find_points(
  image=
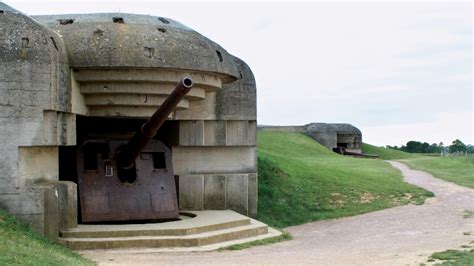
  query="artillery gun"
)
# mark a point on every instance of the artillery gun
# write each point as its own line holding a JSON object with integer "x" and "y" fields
{"x": 122, "y": 180}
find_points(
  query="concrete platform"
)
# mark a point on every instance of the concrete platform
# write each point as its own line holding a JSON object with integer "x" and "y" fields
{"x": 208, "y": 230}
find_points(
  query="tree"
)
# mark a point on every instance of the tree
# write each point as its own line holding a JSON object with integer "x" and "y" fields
{"x": 414, "y": 146}
{"x": 457, "y": 146}
{"x": 470, "y": 148}
{"x": 425, "y": 147}
{"x": 434, "y": 148}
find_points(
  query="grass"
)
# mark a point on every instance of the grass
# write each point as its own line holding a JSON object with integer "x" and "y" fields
{"x": 283, "y": 237}
{"x": 20, "y": 246}
{"x": 454, "y": 257}
{"x": 301, "y": 181}
{"x": 459, "y": 170}
{"x": 386, "y": 154}
{"x": 468, "y": 214}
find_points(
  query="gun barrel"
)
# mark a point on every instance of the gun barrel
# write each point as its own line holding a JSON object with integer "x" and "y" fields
{"x": 127, "y": 154}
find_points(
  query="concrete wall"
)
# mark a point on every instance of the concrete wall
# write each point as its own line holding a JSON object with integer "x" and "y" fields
{"x": 216, "y": 160}
{"x": 34, "y": 118}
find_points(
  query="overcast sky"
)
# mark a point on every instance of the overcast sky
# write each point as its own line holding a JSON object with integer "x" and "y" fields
{"x": 398, "y": 71}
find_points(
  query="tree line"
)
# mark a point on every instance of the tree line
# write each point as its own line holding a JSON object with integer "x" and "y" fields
{"x": 413, "y": 146}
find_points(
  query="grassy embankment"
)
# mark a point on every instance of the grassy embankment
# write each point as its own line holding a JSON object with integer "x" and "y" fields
{"x": 459, "y": 170}
{"x": 20, "y": 246}
{"x": 301, "y": 181}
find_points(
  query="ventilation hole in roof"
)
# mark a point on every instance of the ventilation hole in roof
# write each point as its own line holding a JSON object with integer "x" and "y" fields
{"x": 54, "y": 43}
{"x": 149, "y": 51}
{"x": 164, "y": 20}
{"x": 65, "y": 21}
{"x": 162, "y": 30}
{"x": 219, "y": 55}
{"x": 1, "y": 11}
{"x": 25, "y": 42}
{"x": 98, "y": 32}
{"x": 118, "y": 20}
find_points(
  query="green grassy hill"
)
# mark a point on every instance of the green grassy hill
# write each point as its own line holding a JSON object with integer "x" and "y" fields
{"x": 386, "y": 154}
{"x": 459, "y": 170}
{"x": 302, "y": 181}
{"x": 20, "y": 246}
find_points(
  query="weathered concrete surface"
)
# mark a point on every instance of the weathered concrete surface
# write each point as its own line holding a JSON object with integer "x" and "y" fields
{"x": 34, "y": 101}
{"x": 36, "y": 205}
{"x": 237, "y": 192}
{"x": 206, "y": 230}
{"x": 67, "y": 204}
{"x": 214, "y": 192}
{"x": 238, "y": 100}
{"x": 191, "y": 192}
{"x": 214, "y": 160}
{"x": 404, "y": 235}
{"x": 137, "y": 41}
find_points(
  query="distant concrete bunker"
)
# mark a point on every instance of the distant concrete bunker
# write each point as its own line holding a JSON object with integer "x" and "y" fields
{"x": 73, "y": 86}
{"x": 336, "y": 135}
{"x": 330, "y": 135}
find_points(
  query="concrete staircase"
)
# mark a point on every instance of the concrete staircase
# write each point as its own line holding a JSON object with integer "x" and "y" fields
{"x": 197, "y": 230}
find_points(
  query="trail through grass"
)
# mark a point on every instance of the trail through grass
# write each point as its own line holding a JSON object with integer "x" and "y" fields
{"x": 301, "y": 181}
{"x": 386, "y": 154}
{"x": 20, "y": 246}
{"x": 459, "y": 170}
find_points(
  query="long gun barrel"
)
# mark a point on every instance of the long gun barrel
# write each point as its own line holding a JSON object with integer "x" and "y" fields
{"x": 129, "y": 152}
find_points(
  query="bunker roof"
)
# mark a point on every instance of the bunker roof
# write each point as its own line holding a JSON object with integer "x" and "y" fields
{"x": 121, "y": 40}
{"x": 339, "y": 128}
{"x": 6, "y": 8}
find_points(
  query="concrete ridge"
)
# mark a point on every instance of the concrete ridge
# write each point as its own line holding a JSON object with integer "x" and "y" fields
{"x": 206, "y": 238}
{"x": 210, "y": 229}
{"x": 124, "y": 232}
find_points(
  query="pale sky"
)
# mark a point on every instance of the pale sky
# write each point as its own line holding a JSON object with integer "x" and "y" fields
{"x": 398, "y": 71}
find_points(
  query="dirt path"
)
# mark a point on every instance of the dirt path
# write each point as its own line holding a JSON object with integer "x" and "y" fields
{"x": 397, "y": 236}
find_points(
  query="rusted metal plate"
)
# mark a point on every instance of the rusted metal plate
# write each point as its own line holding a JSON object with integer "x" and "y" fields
{"x": 144, "y": 192}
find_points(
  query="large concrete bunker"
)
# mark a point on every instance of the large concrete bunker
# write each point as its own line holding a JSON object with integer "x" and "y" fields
{"x": 72, "y": 84}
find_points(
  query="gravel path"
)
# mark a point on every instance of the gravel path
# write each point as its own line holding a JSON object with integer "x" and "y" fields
{"x": 397, "y": 236}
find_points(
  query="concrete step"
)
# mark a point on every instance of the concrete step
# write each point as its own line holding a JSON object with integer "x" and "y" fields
{"x": 205, "y": 221}
{"x": 253, "y": 229}
{"x": 271, "y": 233}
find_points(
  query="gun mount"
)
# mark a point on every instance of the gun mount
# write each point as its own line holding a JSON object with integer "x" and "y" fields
{"x": 123, "y": 180}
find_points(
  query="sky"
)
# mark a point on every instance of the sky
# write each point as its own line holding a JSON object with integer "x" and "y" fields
{"x": 398, "y": 71}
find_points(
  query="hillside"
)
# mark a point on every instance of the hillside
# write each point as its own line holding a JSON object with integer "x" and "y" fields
{"x": 302, "y": 181}
{"x": 459, "y": 170}
{"x": 386, "y": 154}
{"x": 20, "y": 246}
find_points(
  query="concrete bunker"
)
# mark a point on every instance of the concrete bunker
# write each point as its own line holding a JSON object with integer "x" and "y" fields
{"x": 336, "y": 135}
{"x": 100, "y": 76}
{"x": 331, "y": 135}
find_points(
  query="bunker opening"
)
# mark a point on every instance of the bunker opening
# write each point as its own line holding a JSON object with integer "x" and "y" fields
{"x": 123, "y": 166}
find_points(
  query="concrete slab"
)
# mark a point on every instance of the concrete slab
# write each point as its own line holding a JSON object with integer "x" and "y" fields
{"x": 201, "y": 239}
{"x": 203, "y": 222}
{"x": 209, "y": 230}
